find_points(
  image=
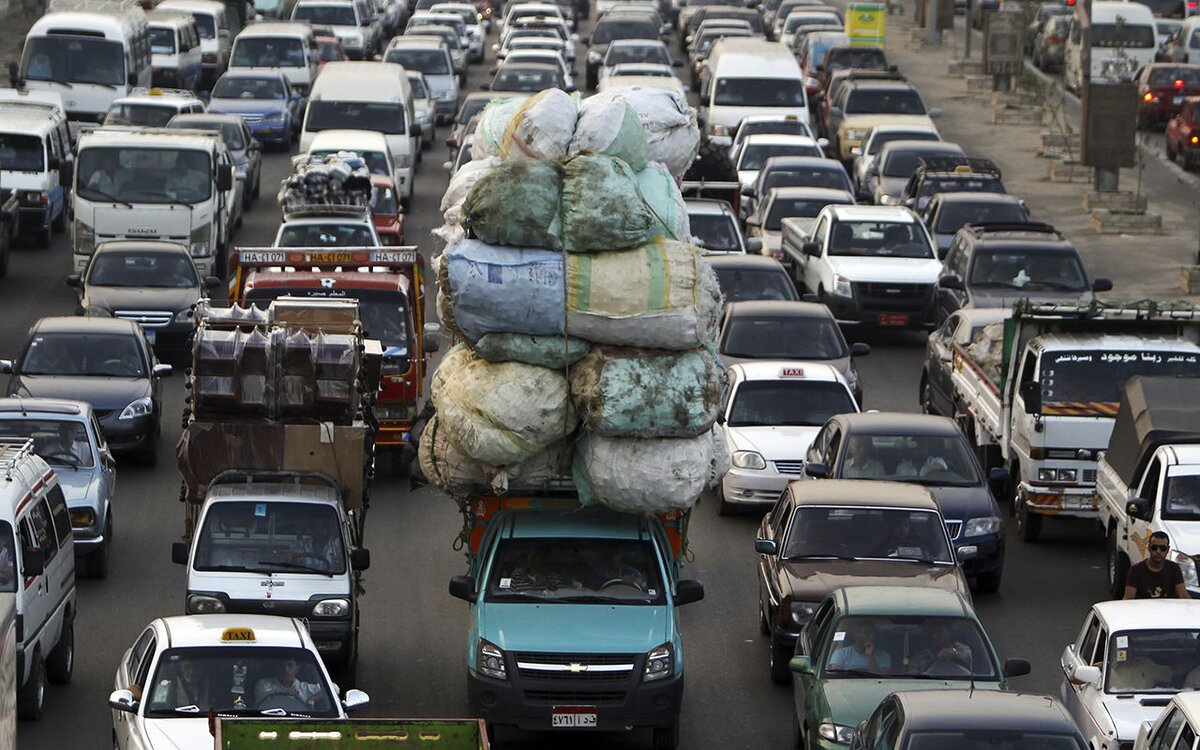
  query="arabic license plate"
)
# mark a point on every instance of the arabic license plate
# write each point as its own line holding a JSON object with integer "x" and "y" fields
{"x": 892, "y": 319}
{"x": 394, "y": 256}
{"x": 259, "y": 256}
{"x": 573, "y": 716}
{"x": 328, "y": 257}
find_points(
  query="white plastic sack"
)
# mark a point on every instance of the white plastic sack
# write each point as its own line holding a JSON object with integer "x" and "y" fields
{"x": 500, "y": 413}
{"x": 611, "y": 127}
{"x": 542, "y": 127}
{"x": 493, "y": 121}
{"x": 461, "y": 476}
{"x": 672, "y": 134}
{"x": 660, "y": 191}
{"x": 461, "y": 183}
{"x": 648, "y": 475}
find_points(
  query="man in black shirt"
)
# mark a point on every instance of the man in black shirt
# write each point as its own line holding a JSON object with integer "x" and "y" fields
{"x": 1156, "y": 577}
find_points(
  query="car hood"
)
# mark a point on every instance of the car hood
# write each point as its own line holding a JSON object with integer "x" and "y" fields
{"x": 78, "y": 485}
{"x": 852, "y": 700}
{"x": 1184, "y": 536}
{"x": 774, "y": 443}
{"x": 962, "y": 503}
{"x": 988, "y": 297}
{"x": 866, "y": 121}
{"x": 246, "y": 106}
{"x": 812, "y": 580}
{"x": 892, "y": 186}
{"x": 1128, "y": 714}
{"x": 896, "y": 270}
{"x": 604, "y": 628}
{"x": 103, "y": 393}
{"x": 141, "y": 298}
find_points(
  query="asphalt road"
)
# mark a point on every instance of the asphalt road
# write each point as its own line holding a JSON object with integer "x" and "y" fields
{"x": 414, "y": 634}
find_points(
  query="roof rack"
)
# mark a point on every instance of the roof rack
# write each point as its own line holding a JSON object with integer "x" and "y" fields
{"x": 326, "y": 209}
{"x": 985, "y": 227}
{"x": 959, "y": 165}
{"x": 12, "y": 450}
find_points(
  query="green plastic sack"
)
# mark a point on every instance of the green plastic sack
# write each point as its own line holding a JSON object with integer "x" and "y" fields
{"x": 493, "y": 121}
{"x": 602, "y": 207}
{"x": 543, "y": 351}
{"x": 612, "y": 127}
{"x": 517, "y": 203}
{"x": 662, "y": 195}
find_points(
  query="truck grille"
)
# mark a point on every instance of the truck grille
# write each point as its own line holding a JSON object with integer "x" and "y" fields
{"x": 146, "y": 318}
{"x": 887, "y": 297}
{"x": 1089, "y": 476}
{"x": 576, "y": 667}
{"x": 791, "y": 466}
{"x": 584, "y": 697}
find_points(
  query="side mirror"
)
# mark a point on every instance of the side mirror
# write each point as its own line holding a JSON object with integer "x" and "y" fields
{"x": 688, "y": 591}
{"x": 585, "y": 39}
{"x": 823, "y": 143}
{"x": 1102, "y": 285}
{"x": 811, "y": 248}
{"x": 6, "y": 366}
{"x": 1138, "y": 508}
{"x": 225, "y": 177}
{"x": 212, "y": 282}
{"x": 447, "y": 165}
{"x": 66, "y": 174}
{"x": 179, "y": 553}
{"x": 766, "y": 547}
{"x": 122, "y": 700}
{"x": 162, "y": 371}
{"x": 1085, "y": 674}
{"x": 53, "y": 162}
{"x": 801, "y": 664}
{"x": 431, "y": 337}
{"x": 255, "y": 146}
{"x": 966, "y": 552}
{"x": 132, "y": 80}
{"x": 75, "y": 281}
{"x": 754, "y": 245}
{"x": 1016, "y": 666}
{"x": 677, "y": 63}
{"x": 33, "y": 562}
{"x": 355, "y": 699}
{"x": 998, "y": 476}
{"x": 451, "y": 142}
{"x": 934, "y": 113}
{"x": 951, "y": 281}
{"x": 835, "y": 111}
{"x": 485, "y": 86}
{"x": 1031, "y": 392}
{"x": 14, "y": 75}
{"x": 816, "y": 469}
{"x": 360, "y": 559}
{"x": 859, "y": 349}
{"x": 856, "y": 150}
{"x": 463, "y": 587}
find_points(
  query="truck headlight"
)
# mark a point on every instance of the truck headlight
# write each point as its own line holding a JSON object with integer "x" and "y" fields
{"x": 33, "y": 198}
{"x": 842, "y": 286}
{"x": 183, "y": 316}
{"x": 143, "y": 407}
{"x": 274, "y": 117}
{"x": 331, "y": 608}
{"x": 660, "y": 663}
{"x": 748, "y": 460}
{"x": 395, "y": 411}
{"x": 1188, "y": 566}
{"x": 838, "y": 733}
{"x": 489, "y": 660}
{"x": 199, "y": 604}
{"x": 85, "y": 238}
{"x": 1057, "y": 475}
{"x": 802, "y": 612}
{"x": 981, "y": 526}
{"x": 198, "y": 243}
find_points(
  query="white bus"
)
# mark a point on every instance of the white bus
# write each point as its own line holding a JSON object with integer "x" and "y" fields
{"x": 90, "y": 52}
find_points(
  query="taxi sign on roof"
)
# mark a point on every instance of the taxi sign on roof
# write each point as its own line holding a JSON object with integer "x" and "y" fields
{"x": 791, "y": 372}
{"x": 237, "y": 634}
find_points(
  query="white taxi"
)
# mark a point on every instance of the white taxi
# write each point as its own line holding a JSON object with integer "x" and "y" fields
{"x": 236, "y": 665}
{"x": 772, "y": 412}
{"x": 1129, "y": 659}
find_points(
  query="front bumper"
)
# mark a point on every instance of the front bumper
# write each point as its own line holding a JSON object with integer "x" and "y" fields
{"x": 334, "y": 640}
{"x": 393, "y": 433}
{"x": 445, "y": 109}
{"x": 1068, "y": 502}
{"x": 127, "y": 435}
{"x": 885, "y": 304}
{"x": 87, "y": 539}
{"x": 751, "y": 487}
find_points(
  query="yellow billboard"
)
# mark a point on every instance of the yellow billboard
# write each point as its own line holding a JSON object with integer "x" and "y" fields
{"x": 864, "y": 23}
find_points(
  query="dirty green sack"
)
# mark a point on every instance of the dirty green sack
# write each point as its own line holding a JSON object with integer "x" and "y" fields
{"x": 602, "y": 207}
{"x": 626, "y": 392}
{"x": 543, "y": 351}
{"x": 517, "y": 203}
{"x": 664, "y": 198}
{"x": 609, "y": 126}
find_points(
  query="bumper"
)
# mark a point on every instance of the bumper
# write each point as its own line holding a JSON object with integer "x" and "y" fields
{"x": 393, "y": 433}
{"x": 86, "y": 541}
{"x": 1068, "y": 502}
{"x": 128, "y": 435}
{"x": 445, "y": 109}
{"x": 747, "y": 487}
{"x": 913, "y": 308}
{"x": 334, "y": 640}
{"x": 29, "y": 217}
{"x": 274, "y": 131}
{"x": 654, "y": 704}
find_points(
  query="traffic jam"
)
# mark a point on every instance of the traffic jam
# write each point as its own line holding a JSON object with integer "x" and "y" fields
{"x": 645, "y": 282}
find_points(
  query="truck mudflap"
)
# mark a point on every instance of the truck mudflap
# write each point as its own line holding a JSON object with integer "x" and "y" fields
{"x": 1067, "y": 502}
{"x": 336, "y": 734}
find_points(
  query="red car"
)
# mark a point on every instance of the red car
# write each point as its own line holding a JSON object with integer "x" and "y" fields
{"x": 329, "y": 49}
{"x": 385, "y": 210}
{"x": 1162, "y": 87}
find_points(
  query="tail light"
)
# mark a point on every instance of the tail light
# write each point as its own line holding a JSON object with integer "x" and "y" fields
{"x": 1148, "y": 96}
{"x": 1054, "y": 40}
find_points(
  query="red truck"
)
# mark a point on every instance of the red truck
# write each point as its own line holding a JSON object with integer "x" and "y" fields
{"x": 1183, "y": 132}
{"x": 389, "y": 284}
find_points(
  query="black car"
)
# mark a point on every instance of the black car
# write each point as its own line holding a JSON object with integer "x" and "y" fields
{"x": 936, "y": 392}
{"x": 950, "y": 175}
{"x": 527, "y": 78}
{"x": 930, "y": 451}
{"x": 946, "y": 213}
{"x": 153, "y": 283}
{"x": 106, "y": 362}
{"x": 752, "y": 277}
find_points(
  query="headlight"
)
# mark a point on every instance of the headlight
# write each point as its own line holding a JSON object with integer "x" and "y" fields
{"x": 183, "y": 316}
{"x": 82, "y": 518}
{"x": 855, "y": 134}
{"x": 403, "y": 161}
{"x": 981, "y": 526}
{"x": 842, "y": 287}
{"x": 722, "y": 130}
{"x": 836, "y": 733}
{"x": 198, "y": 243}
{"x": 198, "y": 604}
{"x": 660, "y": 663}
{"x": 802, "y": 612}
{"x": 143, "y": 407}
{"x": 32, "y": 198}
{"x": 489, "y": 660}
{"x": 1057, "y": 475}
{"x": 96, "y": 311}
{"x": 593, "y": 57}
{"x": 85, "y": 238}
{"x": 274, "y": 117}
{"x": 748, "y": 460}
{"x": 1188, "y": 566}
{"x": 331, "y": 608}
{"x": 395, "y": 411}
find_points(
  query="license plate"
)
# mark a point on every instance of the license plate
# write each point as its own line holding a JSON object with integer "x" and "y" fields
{"x": 259, "y": 256}
{"x": 149, "y": 337}
{"x": 573, "y": 716}
{"x": 327, "y": 257}
{"x": 394, "y": 256}
{"x": 893, "y": 319}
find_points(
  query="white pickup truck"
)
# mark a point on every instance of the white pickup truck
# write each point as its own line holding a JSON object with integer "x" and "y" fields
{"x": 1038, "y": 393}
{"x": 1149, "y": 478}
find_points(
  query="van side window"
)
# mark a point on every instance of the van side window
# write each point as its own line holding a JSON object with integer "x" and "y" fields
{"x": 60, "y": 514}
{"x": 8, "y": 570}
{"x": 41, "y": 528}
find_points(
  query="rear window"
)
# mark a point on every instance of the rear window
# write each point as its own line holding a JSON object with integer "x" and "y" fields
{"x": 884, "y": 102}
{"x": 607, "y": 31}
{"x": 431, "y": 62}
{"x": 759, "y": 92}
{"x": 1123, "y": 35}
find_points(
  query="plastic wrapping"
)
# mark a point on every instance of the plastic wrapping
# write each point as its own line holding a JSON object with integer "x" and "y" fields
{"x": 622, "y": 392}
{"x": 493, "y": 121}
{"x": 987, "y": 349}
{"x": 517, "y": 203}
{"x": 672, "y": 133}
{"x": 500, "y": 289}
{"x": 602, "y": 207}
{"x": 459, "y": 475}
{"x": 461, "y": 183}
{"x": 648, "y": 475}
{"x": 340, "y": 179}
{"x": 500, "y": 413}
{"x": 610, "y": 126}
{"x": 661, "y": 193}
{"x": 542, "y": 127}
{"x": 544, "y": 351}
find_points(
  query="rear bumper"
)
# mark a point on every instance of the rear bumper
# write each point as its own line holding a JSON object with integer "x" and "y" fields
{"x": 1069, "y": 502}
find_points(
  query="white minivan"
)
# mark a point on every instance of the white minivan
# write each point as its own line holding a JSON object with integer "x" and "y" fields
{"x": 287, "y": 47}
{"x": 367, "y": 95}
{"x": 1124, "y": 40}
{"x": 744, "y": 76}
{"x": 213, "y": 25}
{"x": 35, "y": 159}
{"x": 174, "y": 50}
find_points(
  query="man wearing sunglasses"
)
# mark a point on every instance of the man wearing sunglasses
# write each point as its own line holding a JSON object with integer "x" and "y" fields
{"x": 1156, "y": 577}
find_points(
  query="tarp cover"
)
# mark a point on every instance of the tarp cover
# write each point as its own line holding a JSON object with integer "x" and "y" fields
{"x": 1154, "y": 411}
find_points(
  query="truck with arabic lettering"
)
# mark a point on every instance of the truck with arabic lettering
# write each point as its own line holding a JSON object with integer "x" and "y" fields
{"x": 1037, "y": 393}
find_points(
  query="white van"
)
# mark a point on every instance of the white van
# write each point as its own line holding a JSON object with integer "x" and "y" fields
{"x": 288, "y": 47}
{"x": 744, "y": 76}
{"x": 35, "y": 144}
{"x": 349, "y": 20}
{"x": 90, "y": 52}
{"x": 1124, "y": 41}
{"x": 429, "y": 55}
{"x": 363, "y": 95}
{"x": 213, "y": 25}
{"x": 174, "y": 49}
{"x": 37, "y": 563}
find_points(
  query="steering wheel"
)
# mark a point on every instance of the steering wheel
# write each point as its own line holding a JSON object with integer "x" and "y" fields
{"x": 618, "y": 582}
{"x": 283, "y": 700}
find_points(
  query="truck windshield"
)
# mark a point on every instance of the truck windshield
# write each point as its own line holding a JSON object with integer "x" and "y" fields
{"x": 769, "y": 403}
{"x": 238, "y": 681}
{"x": 162, "y": 40}
{"x": 882, "y": 239}
{"x": 271, "y": 537}
{"x": 21, "y": 153}
{"x": 144, "y": 175}
{"x": 867, "y": 532}
{"x": 332, "y": 114}
{"x": 1182, "y": 498}
{"x": 74, "y": 60}
{"x": 573, "y": 570}
{"x": 945, "y": 648}
{"x": 1149, "y": 661}
{"x": 1097, "y": 376}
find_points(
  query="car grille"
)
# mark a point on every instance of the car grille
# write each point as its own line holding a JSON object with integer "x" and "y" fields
{"x": 954, "y": 528}
{"x": 578, "y": 697}
{"x": 576, "y": 667}
{"x": 887, "y": 297}
{"x": 791, "y": 466}
{"x": 146, "y": 318}
{"x": 251, "y": 119}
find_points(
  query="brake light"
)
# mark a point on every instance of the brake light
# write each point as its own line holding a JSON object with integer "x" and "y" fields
{"x": 1054, "y": 39}
{"x": 1149, "y": 97}
{"x": 1178, "y": 83}
{"x": 1196, "y": 139}
{"x": 1193, "y": 3}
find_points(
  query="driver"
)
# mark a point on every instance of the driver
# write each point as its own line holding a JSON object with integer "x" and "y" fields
{"x": 613, "y": 568}
{"x": 72, "y": 440}
{"x": 862, "y": 654}
{"x": 285, "y": 681}
{"x": 944, "y": 653}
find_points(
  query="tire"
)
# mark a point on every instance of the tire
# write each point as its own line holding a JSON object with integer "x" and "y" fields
{"x": 1030, "y": 524}
{"x": 97, "y": 564}
{"x": 926, "y": 395}
{"x": 31, "y": 698}
{"x": 61, "y": 663}
{"x": 988, "y": 584}
{"x": 1117, "y": 566}
{"x": 780, "y": 674}
{"x": 764, "y": 625}
{"x": 666, "y": 738}
{"x": 724, "y": 508}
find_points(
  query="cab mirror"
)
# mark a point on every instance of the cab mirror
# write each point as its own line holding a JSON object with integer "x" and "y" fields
{"x": 66, "y": 173}
{"x": 355, "y": 699}
{"x": 754, "y": 245}
{"x": 6, "y": 366}
{"x": 1031, "y": 393}
{"x": 1016, "y": 666}
{"x": 1085, "y": 674}
{"x": 415, "y": 130}
{"x": 75, "y": 281}
{"x": 33, "y": 562}
{"x": 811, "y": 248}
{"x": 966, "y": 552}
{"x": 463, "y": 587}
{"x": 766, "y": 547}
{"x": 688, "y": 591}
{"x": 212, "y": 282}
{"x": 950, "y": 281}
{"x": 122, "y": 700}
{"x": 360, "y": 559}
{"x": 1138, "y": 508}
{"x": 179, "y": 553}
{"x": 801, "y": 664}
{"x": 431, "y": 337}
{"x": 998, "y": 476}
{"x": 53, "y": 162}
{"x": 225, "y": 177}
{"x": 816, "y": 469}
{"x": 1102, "y": 285}
{"x": 14, "y": 75}
{"x": 859, "y": 349}
{"x": 935, "y": 113}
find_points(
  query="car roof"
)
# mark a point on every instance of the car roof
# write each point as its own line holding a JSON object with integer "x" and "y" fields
{"x": 862, "y": 493}
{"x": 777, "y": 139}
{"x": 898, "y": 423}
{"x": 567, "y": 525}
{"x": 1189, "y": 703}
{"x": 57, "y": 406}
{"x": 975, "y": 196}
{"x": 206, "y": 630}
{"x": 796, "y": 160}
{"x": 83, "y": 324}
{"x": 763, "y": 369}
{"x": 946, "y": 147}
{"x": 778, "y": 309}
{"x": 985, "y": 710}
{"x": 1149, "y": 614}
{"x": 902, "y": 600}
{"x": 829, "y": 195}
{"x": 151, "y": 246}
{"x": 872, "y": 213}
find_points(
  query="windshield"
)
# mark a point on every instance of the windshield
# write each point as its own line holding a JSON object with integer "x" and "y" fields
{"x": 810, "y": 19}
{"x": 878, "y": 140}
{"x": 528, "y": 80}
{"x": 943, "y": 648}
{"x": 238, "y": 681}
{"x": 384, "y": 314}
{"x": 74, "y": 60}
{"x": 1123, "y": 35}
{"x": 738, "y": 284}
{"x": 637, "y": 53}
{"x": 1098, "y": 375}
{"x": 141, "y": 270}
{"x": 921, "y": 459}
{"x": 1150, "y": 661}
{"x": 1166, "y": 76}
{"x": 1182, "y": 498}
{"x": 615, "y": 571}
{"x": 75, "y": 354}
{"x": 992, "y": 739}
{"x": 327, "y": 234}
{"x": 377, "y": 161}
{"x": 833, "y": 177}
{"x": 778, "y": 127}
{"x": 329, "y": 50}
{"x": 894, "y": 101}
{"x": 804, "y": 208}
{"x": 879, "y": 239}
{"x": 867, "y": 532}
{"x": 21, "y": 153}
{"x": 765, "y": 403}
{"x": 144, "y": 175}
{"x": 206, "y": 25}
{"x": 417, "y": 84}
{"x": 332, "y": 114}
{"x": 759, "y": 92}
{"x": 61, "y": 442}
{"x": 954, "y": 215}
{"x": 162, "y": 40}
{"x": 150, "y": 115}
{"x": 239, "y": 87}
{"x": 902, "y": 162}
{"x": 326, "y": 15}
{"x": 1029, "y": 269}
{"x": 867, "y": 58}
{"x": 431, "y": 62}
{"x": 271, "y": 537}
{"x": 715, "y": 232}
{"x": 383, "y": 201}
{"x": 756, "y": 154}
{"x": 268, "y": 52}
{"x": 606, "y": 31}
{"x": 790, "y": 337}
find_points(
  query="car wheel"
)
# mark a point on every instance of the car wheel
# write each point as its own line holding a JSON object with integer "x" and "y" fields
{"x": 1029, "y": 523}
{"x": 989, "y": 583}
{"x": 666, "y": 738}
{"x": 61, "y": 663}
{"x": 926, "y": 393}
{"x": 97, "y": 563}
{"x": 32, "y": 697}
{"x": 780, "y": 674}
{"x": 1117, "y": 567}
{"x": 724, "y": 508}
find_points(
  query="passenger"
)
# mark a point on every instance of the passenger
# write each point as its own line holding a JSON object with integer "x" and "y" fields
{"x": 944, "y": 654}
{"x": 39, "y": 67}
{"x": 535, "y": 573}
{"x": 1137, "y": 672}
{"x": 929, "y": 464}
{"x": 286, "y": 681}
{"x": 905, "y": 539}
{"x": 613, "y": 570}
{"x": 189, "y": 687}
{"x": 1156, "y": 577}
{"x": 72, "y": 442}
{"x": 860, "y": 464}
{"x": 862, "y": 654}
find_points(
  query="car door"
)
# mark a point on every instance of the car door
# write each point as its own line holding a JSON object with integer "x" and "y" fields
{"x": 1139, "y": 529}
{"x": 131, "y": 675}
{"x": 1082, "y": 701}
{"x": 36, "y": 532}
{"x": 956, "y": 264}
{"x": 811, "y": 267}
{"x": 106, "y": 463}
{"x": 939, "y": 388}
{"x": 774, "y": 527}
{"x": 1166, "y": 731}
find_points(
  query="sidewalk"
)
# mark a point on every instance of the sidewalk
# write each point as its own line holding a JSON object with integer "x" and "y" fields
{"x": 1141, "y": 266}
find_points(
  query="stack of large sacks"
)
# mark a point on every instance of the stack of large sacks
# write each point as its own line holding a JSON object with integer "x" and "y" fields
{"x": 587, "y": 321}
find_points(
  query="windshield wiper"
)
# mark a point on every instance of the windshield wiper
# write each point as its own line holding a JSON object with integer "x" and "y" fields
{"x": 852, "y": 672}
{"x": 112, "y": 198}
{"x": 296, "y": 566}
{"x": 820, "y": 557}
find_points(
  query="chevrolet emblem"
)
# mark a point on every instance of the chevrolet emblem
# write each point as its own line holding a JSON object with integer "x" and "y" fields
{"x": 575, "y": 668}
